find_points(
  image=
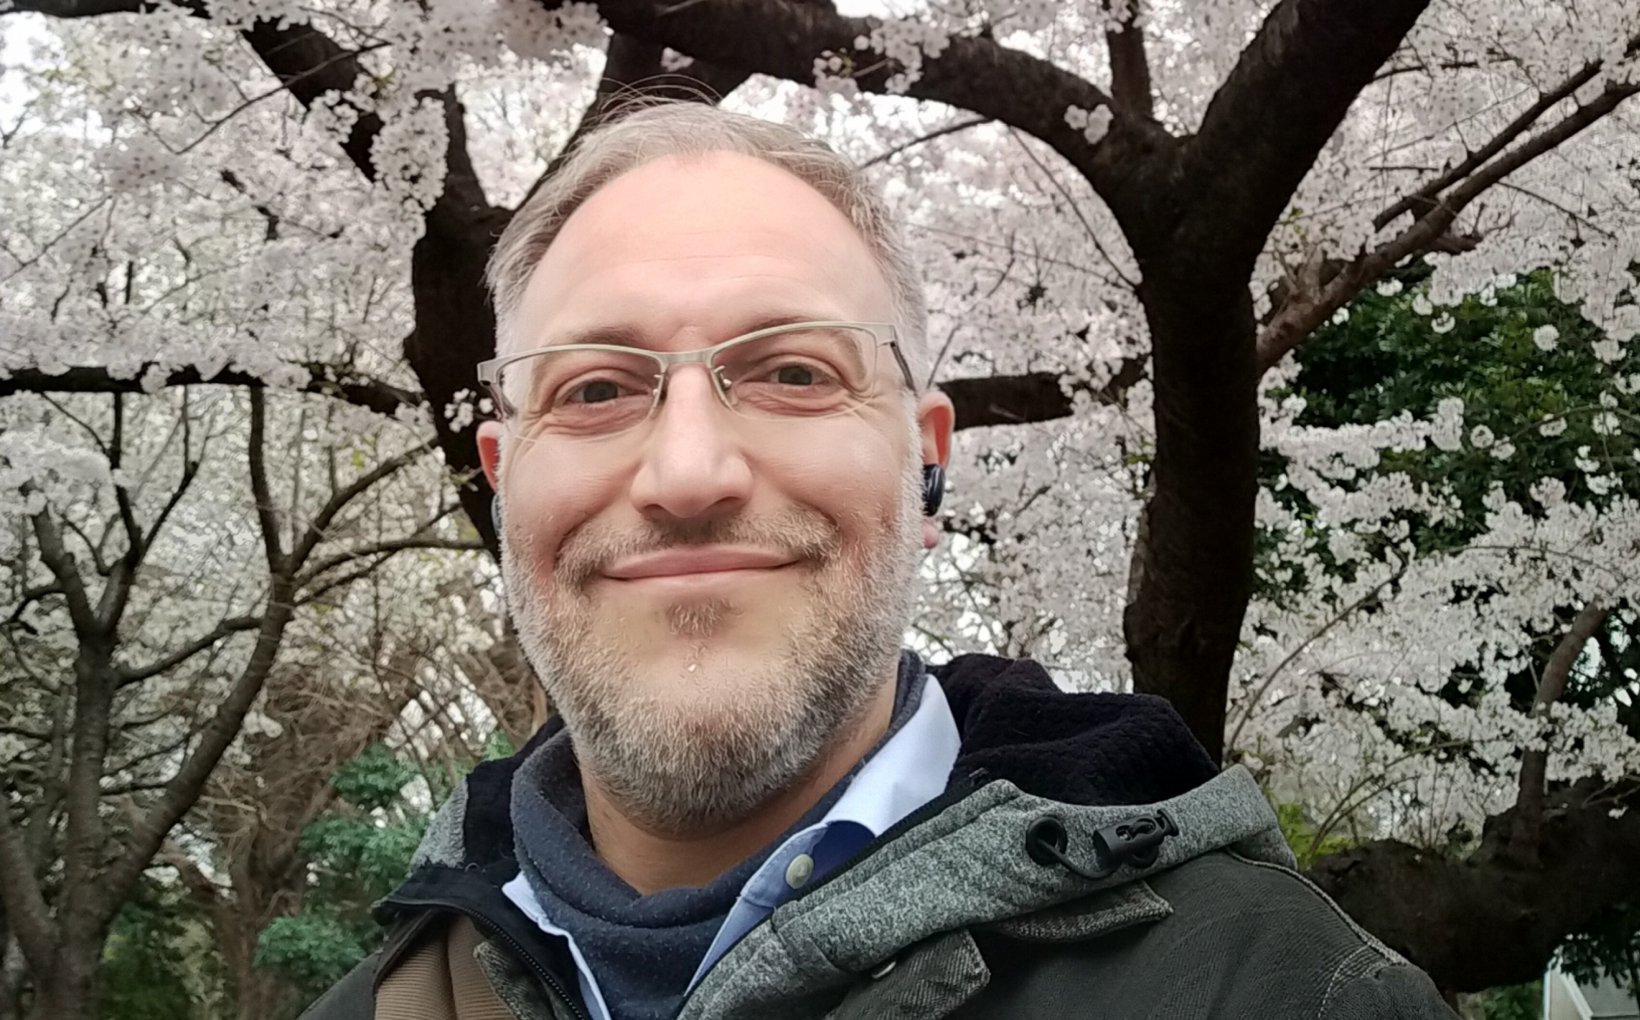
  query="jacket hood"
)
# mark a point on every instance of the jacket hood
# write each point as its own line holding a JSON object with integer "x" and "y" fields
{"x": 1017, "y": 725}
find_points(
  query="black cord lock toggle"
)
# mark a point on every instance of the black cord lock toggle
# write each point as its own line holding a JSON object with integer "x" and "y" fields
{"x": 1135, "y": 841}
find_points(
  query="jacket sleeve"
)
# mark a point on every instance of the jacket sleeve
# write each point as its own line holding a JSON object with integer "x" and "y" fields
{"x": 351, "y": 998}
{"x": 1398, "y": 991}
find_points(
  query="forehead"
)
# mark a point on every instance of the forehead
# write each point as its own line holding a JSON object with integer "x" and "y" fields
{"x": 701, "y": 243}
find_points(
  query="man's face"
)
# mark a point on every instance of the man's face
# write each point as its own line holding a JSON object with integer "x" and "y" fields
{"x": 710, "y": 597}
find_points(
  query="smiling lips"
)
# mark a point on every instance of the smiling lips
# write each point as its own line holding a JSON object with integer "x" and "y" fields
{"x": 698, "y": 563}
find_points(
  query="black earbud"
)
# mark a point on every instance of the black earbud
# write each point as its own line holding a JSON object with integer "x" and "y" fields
{"x": 495, "y": 513}
{"x": 933, "y": 488}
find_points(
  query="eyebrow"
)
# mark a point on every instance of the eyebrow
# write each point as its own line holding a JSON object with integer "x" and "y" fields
{"x": 631, "y": 336}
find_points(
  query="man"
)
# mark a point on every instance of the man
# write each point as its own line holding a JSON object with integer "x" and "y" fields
{"x": 716, "y": 462}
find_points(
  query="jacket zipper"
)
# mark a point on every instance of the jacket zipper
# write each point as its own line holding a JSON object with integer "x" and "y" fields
{"x": 546, "y": 976}
{"x": 520, "y": 953}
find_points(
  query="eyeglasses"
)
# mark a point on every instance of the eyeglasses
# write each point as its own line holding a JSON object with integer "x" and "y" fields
{"x": 799, "y": 370}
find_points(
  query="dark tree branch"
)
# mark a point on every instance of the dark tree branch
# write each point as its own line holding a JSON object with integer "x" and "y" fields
{"x": 329, "y": 380}
{"x": 455, "y": 325}
{"x": 633, "y": 72}
{"x": 1262, "y": 131}
{"x": 783, "y": 38}
{"x": 122, "y": 496}
{"x": 123, "y": 577}
{"x": 339, "y": 500}
{"x": 343, "y": 580}
{"x": 183, "y": 789}
{"x": 27, "y": 913}
{"x": 136, "y": 674}
{"x": 266, "y": 516}
{"x": 307, "y": 62}
{"x": 392, "y": 546}
{"x": 1509, "y": 917}
{"x": 952, "y": 128}
{"x": 190, "y": 471}
{"x": 1526, "y": 834}
{"x": 1130, "y": 88}
{"x": 205, "y": 892}
{"x": 83, "y": 8}
{"x": 1420, "y": 201}
{"x": 65, "y": 571}
{"x": 1035, "y": 396}
{"x": 94, "y": 549}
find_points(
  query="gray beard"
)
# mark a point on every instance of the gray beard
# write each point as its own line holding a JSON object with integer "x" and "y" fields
{"x": 673, "y": 767}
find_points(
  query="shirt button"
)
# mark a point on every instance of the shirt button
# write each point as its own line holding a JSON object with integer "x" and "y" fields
{"x": 799, "y": 871}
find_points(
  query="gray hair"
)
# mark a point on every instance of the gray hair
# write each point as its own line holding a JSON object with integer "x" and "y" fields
{"x": 684, "y": 128}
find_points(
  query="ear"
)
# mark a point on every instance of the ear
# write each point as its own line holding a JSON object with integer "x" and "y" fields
{"x": 935, "y": 418}
{"x": 490, "y": 436}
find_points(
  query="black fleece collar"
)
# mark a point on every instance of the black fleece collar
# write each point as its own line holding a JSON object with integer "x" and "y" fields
{"x": 1016, "y": 724}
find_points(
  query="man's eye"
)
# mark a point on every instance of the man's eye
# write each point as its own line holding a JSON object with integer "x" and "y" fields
{"x": 795, "y": 375}
{"x": 593, "y": 391}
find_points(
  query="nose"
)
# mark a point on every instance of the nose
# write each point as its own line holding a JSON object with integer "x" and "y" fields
{"x": 693, "y": 465}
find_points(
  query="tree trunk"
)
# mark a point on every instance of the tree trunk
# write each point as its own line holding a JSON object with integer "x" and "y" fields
{"x": 69, "y": 991}
{"x": 13, "y": 970}
{"x": 1191, "y": 573}
{"x": 1487, "y": 920}
{"x": 257, "y": 994}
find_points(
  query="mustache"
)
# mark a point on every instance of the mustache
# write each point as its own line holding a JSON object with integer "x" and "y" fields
{"x": 800, "y": 532}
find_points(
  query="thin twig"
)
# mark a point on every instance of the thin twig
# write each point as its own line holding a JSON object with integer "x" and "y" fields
{"x": 1247, "y": 706}
{"x": 949, "y": 129}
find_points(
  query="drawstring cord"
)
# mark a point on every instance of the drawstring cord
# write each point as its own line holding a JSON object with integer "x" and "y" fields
{"x": 1135, "y": 841}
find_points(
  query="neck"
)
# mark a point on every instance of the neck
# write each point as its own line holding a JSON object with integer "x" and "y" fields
{"x": 650, "y": 861}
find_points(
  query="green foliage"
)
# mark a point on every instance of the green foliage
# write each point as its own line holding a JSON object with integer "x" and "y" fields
{"x": 357, "y": 852}
{"x": 1387, "y": 359}
{"x": 498, "y": 746}
{"x": 362, "y": 852}
{"x": 1609, "y": 945}
{"x": 313, "y": 948}
{"x": 1511, "y": 1002}
{"x": 140, "y": 969}
{"x": 156, "y": 964}
{"x": 374, "y": 779}
{"x": 1300, "y": 834}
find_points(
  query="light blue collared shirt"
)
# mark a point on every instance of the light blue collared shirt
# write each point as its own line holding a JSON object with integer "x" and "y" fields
{"x": 908, "y": 771}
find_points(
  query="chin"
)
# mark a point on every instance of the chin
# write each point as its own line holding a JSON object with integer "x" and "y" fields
{"x": 717, "y": 668}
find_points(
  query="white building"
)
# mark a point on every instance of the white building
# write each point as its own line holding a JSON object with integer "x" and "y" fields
{"x": 1566, "y": 999}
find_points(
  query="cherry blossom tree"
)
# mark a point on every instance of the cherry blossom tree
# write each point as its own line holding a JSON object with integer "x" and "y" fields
{"x": 1130, "y": 214}
{"x": 148, "y": 611}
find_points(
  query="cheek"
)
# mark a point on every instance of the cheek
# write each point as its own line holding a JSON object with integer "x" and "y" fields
{"x": 547, "y": 499}
{"x": 852, "y": 476}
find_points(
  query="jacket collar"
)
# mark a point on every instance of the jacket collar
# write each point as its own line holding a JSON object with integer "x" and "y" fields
{"x": 1016, "y": 725}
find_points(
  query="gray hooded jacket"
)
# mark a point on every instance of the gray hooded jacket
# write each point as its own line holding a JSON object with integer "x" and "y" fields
{"x": 1035, "y": 887}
